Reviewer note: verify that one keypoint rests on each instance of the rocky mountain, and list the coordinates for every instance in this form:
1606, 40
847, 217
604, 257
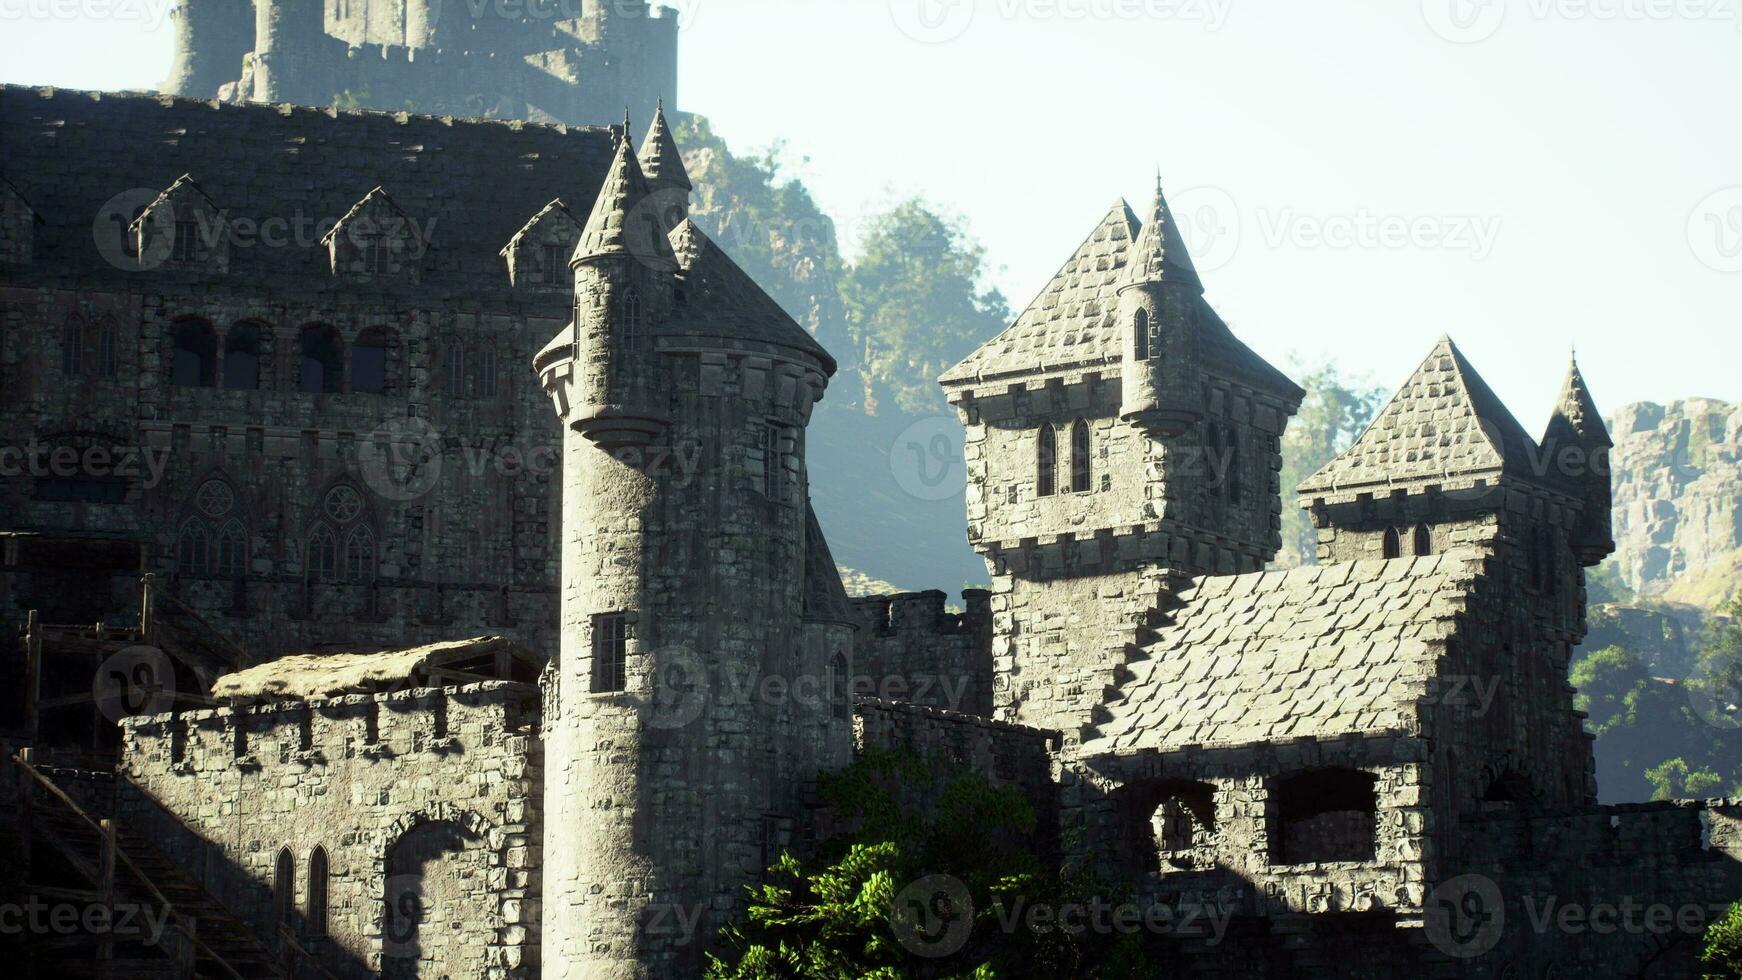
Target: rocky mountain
1678, 500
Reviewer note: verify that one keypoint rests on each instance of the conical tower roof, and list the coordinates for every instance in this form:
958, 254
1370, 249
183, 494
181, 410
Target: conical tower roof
621, 223
660, 158
1445, 425
1160, 254
1576, 420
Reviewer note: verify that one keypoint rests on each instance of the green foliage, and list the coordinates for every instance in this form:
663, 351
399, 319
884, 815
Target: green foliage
1603, 585
1721, 958
1611, 685
915, 303
1336, 411
910, 820
1718, 668
1673, 780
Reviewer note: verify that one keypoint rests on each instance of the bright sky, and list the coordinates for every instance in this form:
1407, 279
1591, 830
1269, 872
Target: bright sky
1357, 176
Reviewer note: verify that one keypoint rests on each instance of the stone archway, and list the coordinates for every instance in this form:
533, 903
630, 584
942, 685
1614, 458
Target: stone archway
439, 914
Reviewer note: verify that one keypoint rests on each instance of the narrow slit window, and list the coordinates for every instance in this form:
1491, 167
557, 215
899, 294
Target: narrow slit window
1082, 466
610, 653
1393, 546
1140, 335
1046, 462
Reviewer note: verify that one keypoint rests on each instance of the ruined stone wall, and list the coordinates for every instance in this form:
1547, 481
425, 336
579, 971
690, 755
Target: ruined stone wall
910, 648
442, 481
425, 799
1617, 891
1007, 755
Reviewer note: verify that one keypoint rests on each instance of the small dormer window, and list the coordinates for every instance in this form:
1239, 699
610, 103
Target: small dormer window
182, 230
538, 254
376, 241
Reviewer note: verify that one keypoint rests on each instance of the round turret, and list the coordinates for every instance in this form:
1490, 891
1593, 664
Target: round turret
1159, 293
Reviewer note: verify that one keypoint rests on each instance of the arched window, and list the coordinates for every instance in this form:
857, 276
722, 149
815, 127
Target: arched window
317, 892
1424, 540
72, 346
284, 887
360, 555
321, 365
107, 363
630, 317
193, 547
1393, 546
484, 362
232, 550
454, 378
1082, 468
323, 554
242, 357
1046, 461
1140, 335
840, 699
196, 355
370, 357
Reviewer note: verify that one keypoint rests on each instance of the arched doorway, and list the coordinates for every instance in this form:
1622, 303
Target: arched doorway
437, 892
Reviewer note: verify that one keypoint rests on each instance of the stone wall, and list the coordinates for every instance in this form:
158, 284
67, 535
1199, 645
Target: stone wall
444, 473
427, 798
910, 648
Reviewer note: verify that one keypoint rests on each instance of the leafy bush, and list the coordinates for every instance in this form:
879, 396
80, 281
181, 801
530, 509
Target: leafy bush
1722, 957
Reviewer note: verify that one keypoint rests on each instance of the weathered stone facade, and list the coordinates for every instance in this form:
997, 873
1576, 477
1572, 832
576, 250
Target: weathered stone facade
566, 61
910, 649
413, 816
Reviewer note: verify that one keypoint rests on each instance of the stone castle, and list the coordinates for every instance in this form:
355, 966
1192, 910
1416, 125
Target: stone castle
567, 61
387, 710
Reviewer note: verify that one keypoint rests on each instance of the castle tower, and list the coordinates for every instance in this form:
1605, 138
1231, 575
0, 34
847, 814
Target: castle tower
667, 177
1576, 446
289, 37
1118, 436
211, 37
1159, 293
701, 683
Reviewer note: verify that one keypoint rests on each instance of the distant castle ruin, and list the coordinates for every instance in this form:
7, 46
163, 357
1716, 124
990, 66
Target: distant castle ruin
580, 62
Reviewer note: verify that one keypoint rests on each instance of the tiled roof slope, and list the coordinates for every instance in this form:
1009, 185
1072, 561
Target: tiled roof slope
721, 300
1074, 321
468, 183
825, 598
1444, 423
1317, 651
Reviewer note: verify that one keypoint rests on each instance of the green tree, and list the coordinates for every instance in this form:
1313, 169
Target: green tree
1336, 411
928, 880
1610, 684
916, 304
1721, 959
1718, 668
1674, 780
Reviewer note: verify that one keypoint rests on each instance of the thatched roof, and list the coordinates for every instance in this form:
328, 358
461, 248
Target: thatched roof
324, 675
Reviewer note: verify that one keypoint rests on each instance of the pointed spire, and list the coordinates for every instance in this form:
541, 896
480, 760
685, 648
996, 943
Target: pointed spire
1576, 419
1159, 254
617, 224
628, 136
660, 157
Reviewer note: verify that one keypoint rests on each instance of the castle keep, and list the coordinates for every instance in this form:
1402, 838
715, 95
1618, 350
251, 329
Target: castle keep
424, 719
569, 61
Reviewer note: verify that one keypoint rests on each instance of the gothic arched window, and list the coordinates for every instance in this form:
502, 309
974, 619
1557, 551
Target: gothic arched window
630, 316
1140, 335
1424, 540
371, 360
454, 360
1393, 544
284, 887
323, 554
108, 364
317, 892
242, 350
322, 364
1082, 467
193, 547
1046, 461
232, 549
360, 555
72, 346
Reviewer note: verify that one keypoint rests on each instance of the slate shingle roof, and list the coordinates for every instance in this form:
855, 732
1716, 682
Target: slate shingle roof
1445, 423
621, 222
1074, 320
1317, 651
719, 299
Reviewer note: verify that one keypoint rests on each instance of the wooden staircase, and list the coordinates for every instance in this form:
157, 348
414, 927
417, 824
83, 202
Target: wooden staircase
201, 939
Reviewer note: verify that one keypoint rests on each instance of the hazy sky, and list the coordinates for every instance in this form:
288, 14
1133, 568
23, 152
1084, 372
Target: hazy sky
1357, 176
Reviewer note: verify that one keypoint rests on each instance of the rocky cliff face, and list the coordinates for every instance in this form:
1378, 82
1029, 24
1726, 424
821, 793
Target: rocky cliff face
1678, 499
